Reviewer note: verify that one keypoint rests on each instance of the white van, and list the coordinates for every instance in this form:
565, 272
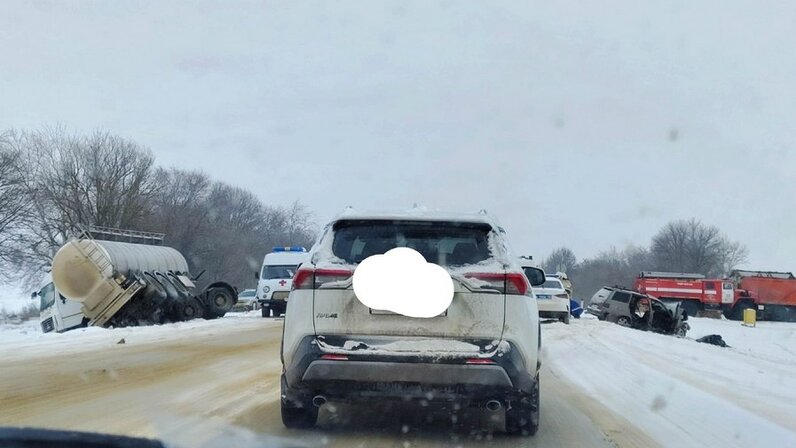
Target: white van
276, 278
56, 312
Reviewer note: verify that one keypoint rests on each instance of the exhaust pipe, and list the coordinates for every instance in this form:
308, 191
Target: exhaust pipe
318, 401
493, 405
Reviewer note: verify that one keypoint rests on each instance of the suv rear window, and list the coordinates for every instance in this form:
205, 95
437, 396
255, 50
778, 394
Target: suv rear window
441, 242
600, 296
621, 296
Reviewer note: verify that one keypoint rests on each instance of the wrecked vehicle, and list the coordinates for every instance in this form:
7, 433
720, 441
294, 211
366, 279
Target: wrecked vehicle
644, 312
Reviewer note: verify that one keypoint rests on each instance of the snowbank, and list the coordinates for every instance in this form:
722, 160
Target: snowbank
26, 339
680, 392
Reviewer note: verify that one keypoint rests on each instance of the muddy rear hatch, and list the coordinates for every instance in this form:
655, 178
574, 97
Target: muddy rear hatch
471, 326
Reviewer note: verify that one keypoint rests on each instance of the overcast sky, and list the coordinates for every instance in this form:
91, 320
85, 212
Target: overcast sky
578, 125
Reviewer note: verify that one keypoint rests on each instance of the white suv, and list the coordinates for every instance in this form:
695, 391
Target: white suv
482, 351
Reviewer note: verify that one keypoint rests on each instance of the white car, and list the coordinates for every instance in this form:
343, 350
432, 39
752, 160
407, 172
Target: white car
552, 299
482, 351
247, 300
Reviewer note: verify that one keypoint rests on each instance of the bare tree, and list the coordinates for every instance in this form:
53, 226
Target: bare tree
609, 268
560, 260
14, 205
691, 246
52, 183
71, 181
222, 229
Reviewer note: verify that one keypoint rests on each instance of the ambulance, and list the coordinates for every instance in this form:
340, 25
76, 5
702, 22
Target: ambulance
276, 278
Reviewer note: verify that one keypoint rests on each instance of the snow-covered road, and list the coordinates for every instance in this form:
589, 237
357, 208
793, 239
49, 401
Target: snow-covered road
213, 381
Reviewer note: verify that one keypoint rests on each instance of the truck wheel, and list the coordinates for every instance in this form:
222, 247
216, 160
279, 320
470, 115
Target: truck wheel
191, 309
690, 308
219, 301
565, 318
738, 309
266, 311
523, 416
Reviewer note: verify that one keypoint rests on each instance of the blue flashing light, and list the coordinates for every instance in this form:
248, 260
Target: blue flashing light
289, 249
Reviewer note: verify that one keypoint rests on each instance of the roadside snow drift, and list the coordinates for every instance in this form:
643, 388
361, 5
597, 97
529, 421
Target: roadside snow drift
680, 392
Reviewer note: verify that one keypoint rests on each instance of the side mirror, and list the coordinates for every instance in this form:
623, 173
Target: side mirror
257, 276
34, 294
535, 276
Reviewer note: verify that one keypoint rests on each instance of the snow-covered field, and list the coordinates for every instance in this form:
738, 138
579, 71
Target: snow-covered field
13, 298
682, 393
602, 385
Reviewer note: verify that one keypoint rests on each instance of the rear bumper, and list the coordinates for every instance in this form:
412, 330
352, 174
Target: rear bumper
552, 305
245, 304
404, 372
595, 310
273, 304
369, 376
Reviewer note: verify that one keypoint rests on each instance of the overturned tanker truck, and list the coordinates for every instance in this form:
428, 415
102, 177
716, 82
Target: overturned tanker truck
121, 284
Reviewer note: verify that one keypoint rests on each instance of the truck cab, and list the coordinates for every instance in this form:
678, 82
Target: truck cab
56, 312
275, 279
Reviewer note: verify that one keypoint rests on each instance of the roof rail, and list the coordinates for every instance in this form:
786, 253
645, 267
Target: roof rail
739, 273
122, 235
682, 275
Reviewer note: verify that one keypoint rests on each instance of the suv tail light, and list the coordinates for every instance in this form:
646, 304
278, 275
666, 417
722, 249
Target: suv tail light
514, 283
479, 361
303, 279
308, 278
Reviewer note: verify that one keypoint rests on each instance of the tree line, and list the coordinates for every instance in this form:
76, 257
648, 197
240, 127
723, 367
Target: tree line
53, 183
680, 246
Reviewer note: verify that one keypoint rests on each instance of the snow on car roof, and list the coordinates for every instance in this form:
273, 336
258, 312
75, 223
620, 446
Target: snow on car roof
527, 262
419, 213
323, 255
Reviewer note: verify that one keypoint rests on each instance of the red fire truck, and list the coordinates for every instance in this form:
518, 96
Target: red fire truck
773, 294
696, 292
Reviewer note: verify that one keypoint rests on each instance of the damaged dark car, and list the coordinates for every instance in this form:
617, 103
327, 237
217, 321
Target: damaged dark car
644, 312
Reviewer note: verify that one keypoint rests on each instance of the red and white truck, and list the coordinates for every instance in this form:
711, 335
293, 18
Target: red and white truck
773, 294
696, 292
